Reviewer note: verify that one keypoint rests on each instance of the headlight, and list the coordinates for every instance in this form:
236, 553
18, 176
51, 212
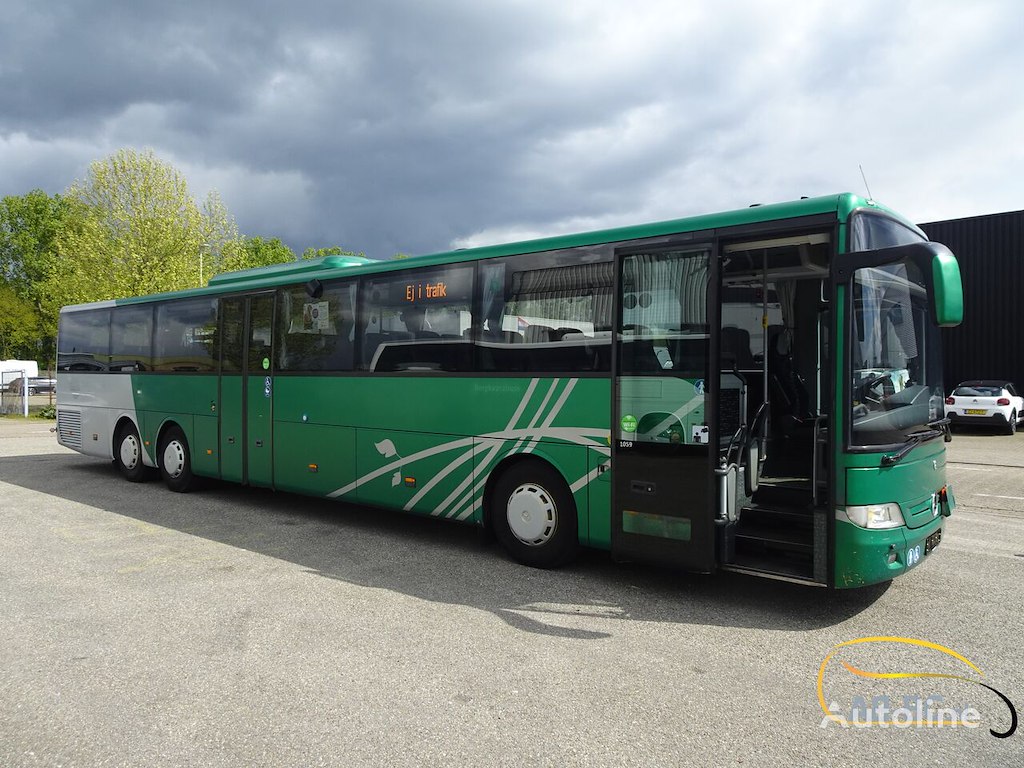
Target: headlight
876, 516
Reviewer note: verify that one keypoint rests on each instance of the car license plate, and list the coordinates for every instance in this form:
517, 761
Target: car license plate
932, 541
975, 411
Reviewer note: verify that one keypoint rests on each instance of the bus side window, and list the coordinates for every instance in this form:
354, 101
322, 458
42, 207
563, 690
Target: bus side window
84, 340
416, 320
557, 301
316, 333
186, 336
131, 337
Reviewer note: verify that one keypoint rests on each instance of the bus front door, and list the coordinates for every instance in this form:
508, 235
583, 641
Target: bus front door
661, 435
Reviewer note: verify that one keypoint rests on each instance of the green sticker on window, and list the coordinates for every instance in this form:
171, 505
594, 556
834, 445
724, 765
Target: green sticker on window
628, 423
266, 363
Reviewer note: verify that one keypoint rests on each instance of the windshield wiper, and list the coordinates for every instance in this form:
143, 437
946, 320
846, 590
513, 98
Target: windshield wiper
914, 439
944, 425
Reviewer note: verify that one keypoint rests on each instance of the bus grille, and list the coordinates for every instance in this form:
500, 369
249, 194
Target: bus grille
69, 428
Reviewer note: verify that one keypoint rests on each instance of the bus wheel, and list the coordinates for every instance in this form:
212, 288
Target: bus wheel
128, 454
534, 516
175, 462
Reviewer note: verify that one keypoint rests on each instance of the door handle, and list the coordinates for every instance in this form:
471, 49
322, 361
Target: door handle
259, 443
644, 487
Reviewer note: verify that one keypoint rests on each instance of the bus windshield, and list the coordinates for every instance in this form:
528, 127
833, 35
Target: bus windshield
895, 356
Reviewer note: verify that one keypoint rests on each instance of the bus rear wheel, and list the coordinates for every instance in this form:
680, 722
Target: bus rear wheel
175, 461
128, 454
533, 515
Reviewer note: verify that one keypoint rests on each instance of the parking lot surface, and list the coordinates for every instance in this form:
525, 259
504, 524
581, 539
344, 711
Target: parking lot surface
240, 627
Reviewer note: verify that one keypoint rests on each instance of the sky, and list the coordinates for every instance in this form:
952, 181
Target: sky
415, 126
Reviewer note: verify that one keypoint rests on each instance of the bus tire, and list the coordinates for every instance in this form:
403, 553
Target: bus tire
175, 461
128, 454
533, 515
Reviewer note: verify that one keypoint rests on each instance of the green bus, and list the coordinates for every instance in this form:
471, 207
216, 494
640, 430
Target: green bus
756, 391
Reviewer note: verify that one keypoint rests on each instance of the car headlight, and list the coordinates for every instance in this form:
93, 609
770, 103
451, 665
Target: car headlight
876, 515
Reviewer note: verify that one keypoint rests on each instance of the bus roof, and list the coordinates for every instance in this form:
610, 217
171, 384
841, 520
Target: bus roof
328, 267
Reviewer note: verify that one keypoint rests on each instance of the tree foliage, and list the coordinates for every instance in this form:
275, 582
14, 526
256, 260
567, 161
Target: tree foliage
259, 252
334, 250
130, 227
134, 229
29, 229
20, 336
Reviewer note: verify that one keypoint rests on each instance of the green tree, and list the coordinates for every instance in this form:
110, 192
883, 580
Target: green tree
222, 245
133, 228
29, 229
259, 252
334, 250
20, 332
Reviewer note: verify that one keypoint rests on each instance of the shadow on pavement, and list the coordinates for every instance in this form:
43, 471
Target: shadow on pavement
437, 560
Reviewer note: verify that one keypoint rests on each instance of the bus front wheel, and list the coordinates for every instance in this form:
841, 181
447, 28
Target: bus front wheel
533, 515
175, 461
128, 454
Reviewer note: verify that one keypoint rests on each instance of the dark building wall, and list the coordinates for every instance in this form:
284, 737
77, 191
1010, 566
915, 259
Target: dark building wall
990, 341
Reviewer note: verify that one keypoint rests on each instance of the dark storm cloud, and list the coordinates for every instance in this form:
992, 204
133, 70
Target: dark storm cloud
404, 126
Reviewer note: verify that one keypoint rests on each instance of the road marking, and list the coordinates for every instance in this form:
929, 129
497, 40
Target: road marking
997, 496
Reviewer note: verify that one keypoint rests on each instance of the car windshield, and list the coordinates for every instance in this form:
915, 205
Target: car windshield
977, 391
895, 356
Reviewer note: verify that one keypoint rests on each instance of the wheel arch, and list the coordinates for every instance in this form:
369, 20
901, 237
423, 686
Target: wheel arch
130, 419
503, 466
165, 426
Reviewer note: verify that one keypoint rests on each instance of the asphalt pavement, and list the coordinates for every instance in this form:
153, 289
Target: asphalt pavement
236, 627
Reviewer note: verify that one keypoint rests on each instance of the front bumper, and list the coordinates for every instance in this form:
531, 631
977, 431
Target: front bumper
865, 556
996, 419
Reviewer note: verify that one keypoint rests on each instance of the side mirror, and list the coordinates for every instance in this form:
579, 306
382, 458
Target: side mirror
937, 264
949, 289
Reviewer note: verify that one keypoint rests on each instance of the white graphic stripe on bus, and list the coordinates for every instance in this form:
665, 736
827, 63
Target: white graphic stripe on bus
585, 480
453, 445
471, 478
437, 479
476, 497
676, 416
536, 415
528, 436
483, 468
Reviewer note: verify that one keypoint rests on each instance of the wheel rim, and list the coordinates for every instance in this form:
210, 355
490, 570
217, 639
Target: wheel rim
532, 515
129, 451
174, 458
